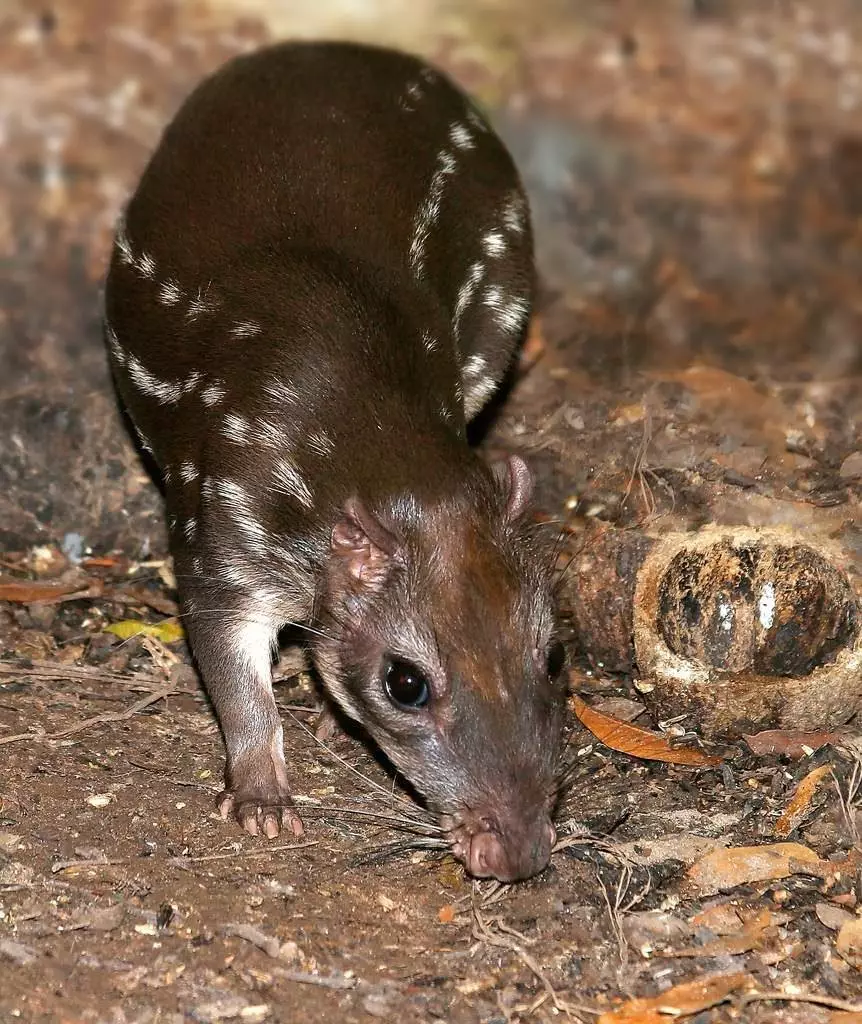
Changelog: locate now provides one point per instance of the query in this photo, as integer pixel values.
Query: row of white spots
(170, 292)
(429, 210)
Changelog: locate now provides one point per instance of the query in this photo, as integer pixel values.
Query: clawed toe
(260, 817)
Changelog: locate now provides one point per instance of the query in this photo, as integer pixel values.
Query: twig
(183, 861)
(53, 670)
(336, 981)
(797, 997)
(503, 940)
(107, 717)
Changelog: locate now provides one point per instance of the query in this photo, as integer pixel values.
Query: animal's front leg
(234, 648)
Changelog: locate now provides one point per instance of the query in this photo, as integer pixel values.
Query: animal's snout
(510, 854)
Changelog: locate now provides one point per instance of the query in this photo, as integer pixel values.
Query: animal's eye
(556, 659)
(405, 685)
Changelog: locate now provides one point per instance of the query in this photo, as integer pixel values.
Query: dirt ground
(696, 178)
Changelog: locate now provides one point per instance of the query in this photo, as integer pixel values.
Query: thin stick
(109, 716)
(182, 861)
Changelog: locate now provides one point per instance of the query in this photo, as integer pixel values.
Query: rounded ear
(517, 482)
(363, 543)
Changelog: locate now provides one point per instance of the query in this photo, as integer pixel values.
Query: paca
(322, 276)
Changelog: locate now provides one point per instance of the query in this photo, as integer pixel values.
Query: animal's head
(440, 639)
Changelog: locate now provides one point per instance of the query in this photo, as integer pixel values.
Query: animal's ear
(363, 543)
(516, 481)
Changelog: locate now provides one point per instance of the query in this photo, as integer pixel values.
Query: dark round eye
(405, 685)
(556, 659)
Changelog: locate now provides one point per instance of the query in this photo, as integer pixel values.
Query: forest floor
(695, 170)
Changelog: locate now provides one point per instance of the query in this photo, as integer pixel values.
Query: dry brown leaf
(682, 1000)
(789, 742)
(839, 1017)
(751, 937)
(801, 801)
(849, 942)
(637, 742)
(726, 868)
(446, 914)
(33, 592)
(721, 919)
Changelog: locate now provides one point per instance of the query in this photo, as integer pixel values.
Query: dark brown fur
(324, 270)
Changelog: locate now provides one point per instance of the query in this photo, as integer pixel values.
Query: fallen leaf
(635, 741)
(721, 919)
(839, 1017)
(446, 914)
(800, 803)
(33, 592)
(687, 999)
(751, 937)
(832, 917)
(849, 941)
(726, 868)
(789, 742)
(168, 631)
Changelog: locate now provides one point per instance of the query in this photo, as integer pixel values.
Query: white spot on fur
(253, 644)
(166, 392)
(445, 414)
(429, 210)
(172, 522)
(212, 394)
(320, 442)
(240, 508)
(475, 366)
(477, 393)
(289, 481)
(429, 342)
(514, 213)
(197, 565)
(476, 119)
(461, 136)
(188, 472)
(269, 434)
(147, 266)
(167, 474)
(170, 292)
(190, 529)
(236, 428)
(494, 243)
(510, 314)
(124, 246)
(245, 329)
(466, 292)
(199, 305)
(280, 391)
(412, 95)
(117, 350)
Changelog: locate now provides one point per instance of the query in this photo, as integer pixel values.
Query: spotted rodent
(321, 277)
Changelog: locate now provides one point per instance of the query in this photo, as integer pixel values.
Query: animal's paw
(258, 796)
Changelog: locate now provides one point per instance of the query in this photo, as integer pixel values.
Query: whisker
(392, 850)
(369, 782)
(404, 823)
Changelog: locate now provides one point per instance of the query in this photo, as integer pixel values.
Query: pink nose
(510, 857)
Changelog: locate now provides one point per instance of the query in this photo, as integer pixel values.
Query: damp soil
(695, 172)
